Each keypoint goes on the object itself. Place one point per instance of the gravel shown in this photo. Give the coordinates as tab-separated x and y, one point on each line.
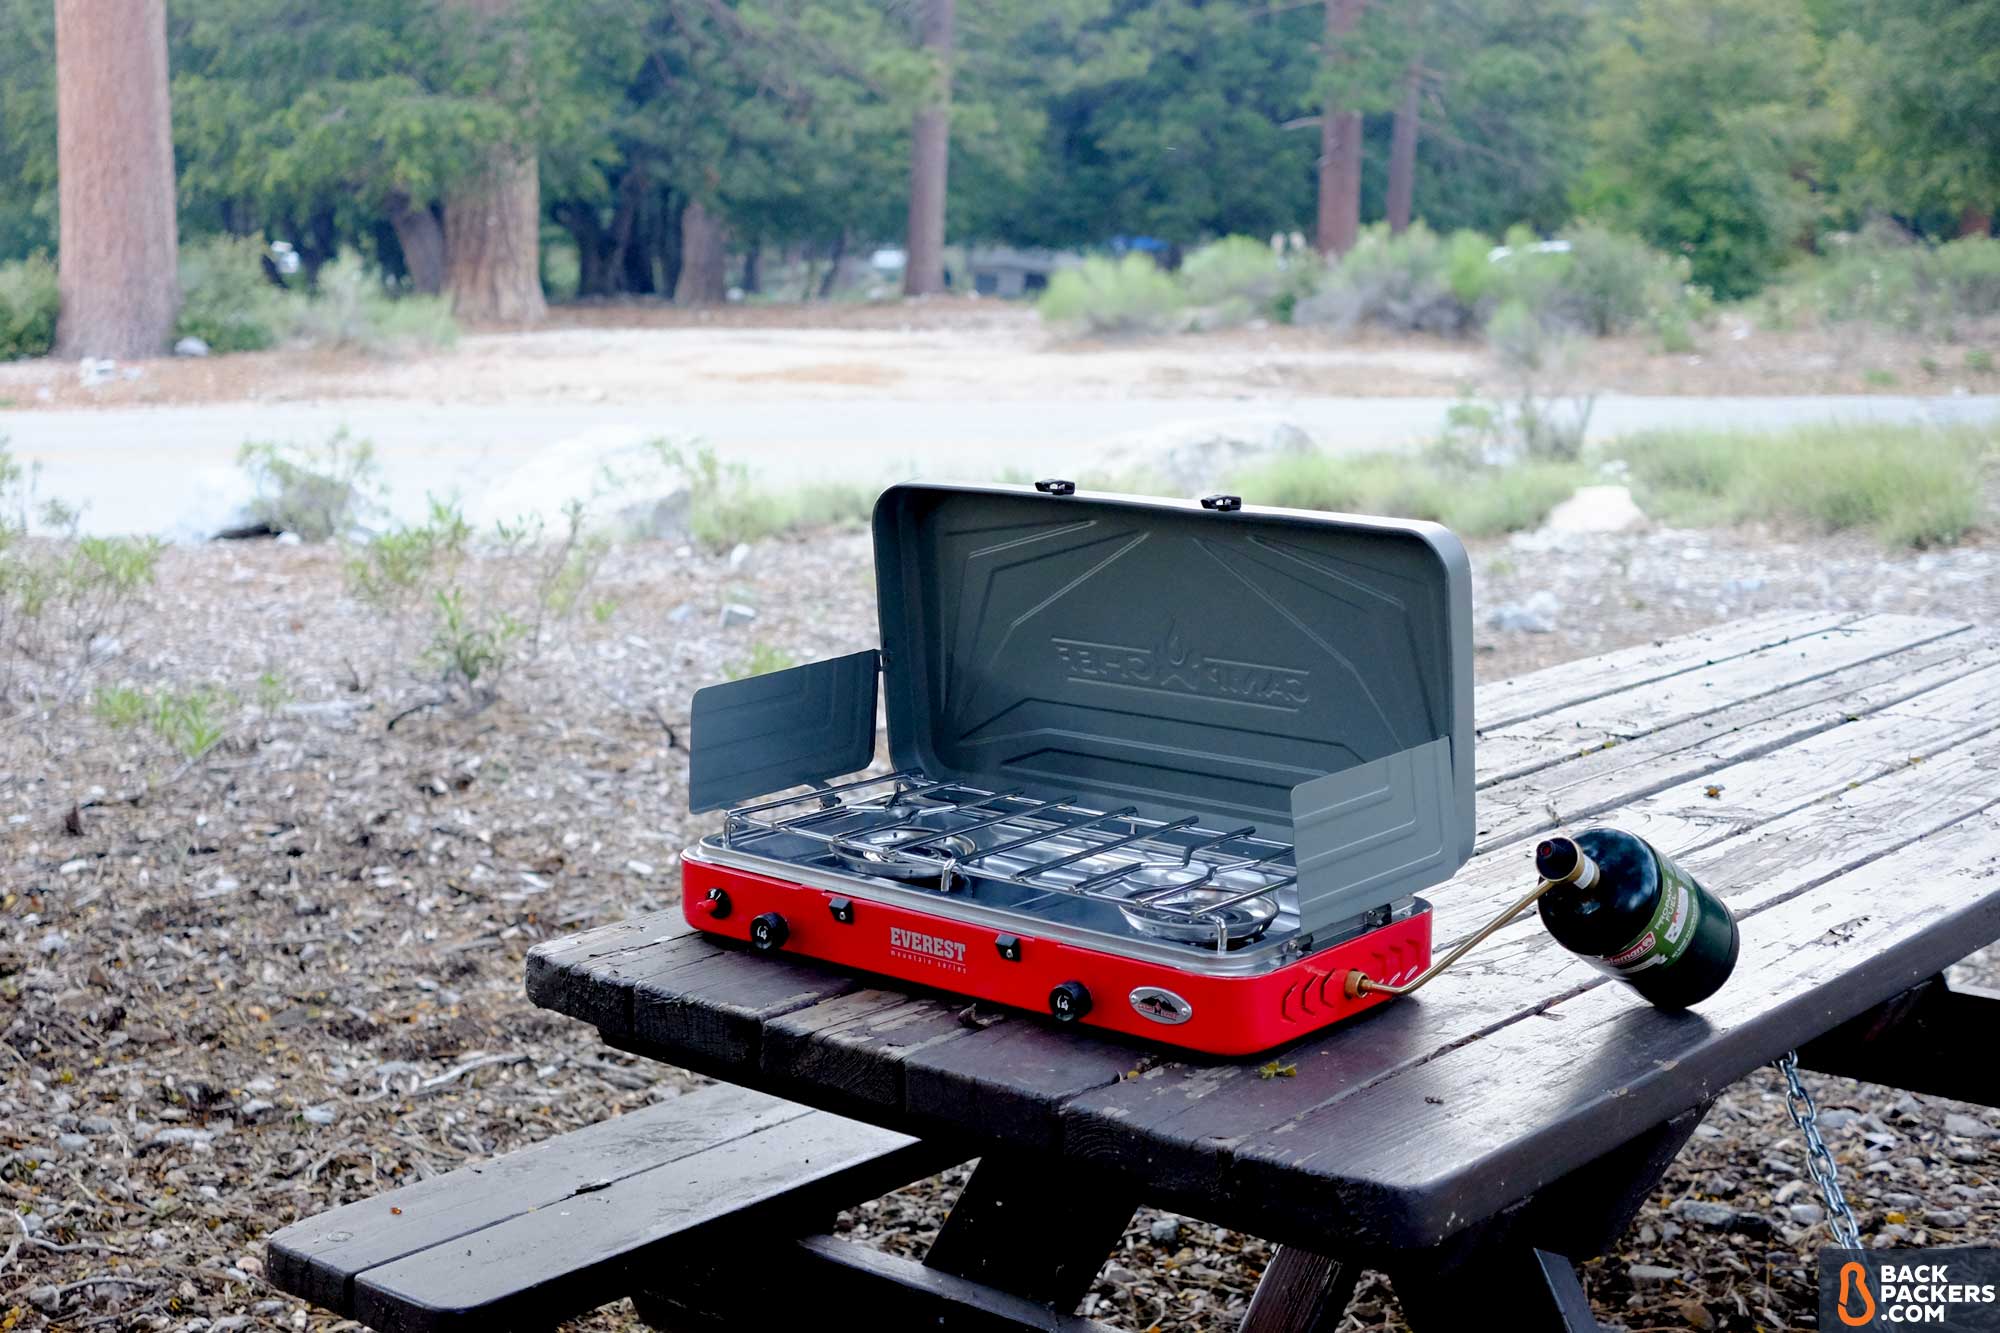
289	974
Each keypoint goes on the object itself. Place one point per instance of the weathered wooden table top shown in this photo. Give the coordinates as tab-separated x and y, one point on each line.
1835	777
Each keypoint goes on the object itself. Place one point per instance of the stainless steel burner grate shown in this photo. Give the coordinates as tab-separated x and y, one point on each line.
1172	879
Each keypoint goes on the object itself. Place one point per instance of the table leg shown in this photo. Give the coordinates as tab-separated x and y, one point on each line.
1033	1229
1922	1040
1300	1292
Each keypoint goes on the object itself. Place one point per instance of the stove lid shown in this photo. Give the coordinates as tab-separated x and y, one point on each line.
1278	667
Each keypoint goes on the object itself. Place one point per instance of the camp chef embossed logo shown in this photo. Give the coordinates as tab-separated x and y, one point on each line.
1955	1290
1174	666
915	944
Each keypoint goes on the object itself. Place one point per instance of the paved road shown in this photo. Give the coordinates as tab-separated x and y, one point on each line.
146	469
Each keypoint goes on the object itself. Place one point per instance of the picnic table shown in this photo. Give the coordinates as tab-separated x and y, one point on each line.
1835	777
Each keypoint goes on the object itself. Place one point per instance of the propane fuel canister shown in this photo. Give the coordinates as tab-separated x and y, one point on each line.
1628	910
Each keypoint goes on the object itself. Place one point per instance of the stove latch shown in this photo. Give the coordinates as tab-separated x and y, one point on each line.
1055	486
1222	504
1009	947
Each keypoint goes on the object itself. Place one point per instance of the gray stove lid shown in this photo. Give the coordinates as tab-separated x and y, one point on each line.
1183	659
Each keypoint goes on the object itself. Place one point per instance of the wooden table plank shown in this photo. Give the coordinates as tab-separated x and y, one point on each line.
1504	702
1620	722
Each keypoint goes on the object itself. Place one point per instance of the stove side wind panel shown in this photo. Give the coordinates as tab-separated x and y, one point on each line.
1185	660
749	738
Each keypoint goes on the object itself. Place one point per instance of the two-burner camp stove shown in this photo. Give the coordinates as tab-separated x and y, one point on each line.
1168	768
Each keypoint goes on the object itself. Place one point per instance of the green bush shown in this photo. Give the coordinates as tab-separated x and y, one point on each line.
726	507
352	307
1915	287
314	491
1234	279
28	307
1116	296
1471	499
1910	486
226	299
1410	283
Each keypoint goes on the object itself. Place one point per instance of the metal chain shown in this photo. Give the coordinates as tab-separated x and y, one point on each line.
1819	1162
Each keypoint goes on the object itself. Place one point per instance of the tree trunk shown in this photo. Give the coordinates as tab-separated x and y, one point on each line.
753	277
115	159
1339	222
493	230
1403	153
593	247
831	278
704	252
930	159
1974	221
420	236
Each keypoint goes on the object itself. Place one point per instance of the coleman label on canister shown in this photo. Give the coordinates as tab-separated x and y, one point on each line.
1669	932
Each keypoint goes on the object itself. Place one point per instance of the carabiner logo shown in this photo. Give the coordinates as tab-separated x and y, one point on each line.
1858	1275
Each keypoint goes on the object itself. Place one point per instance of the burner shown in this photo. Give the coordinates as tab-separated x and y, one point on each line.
1191	915
890	851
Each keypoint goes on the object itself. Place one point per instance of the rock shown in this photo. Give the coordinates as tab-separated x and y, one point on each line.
255	1108
1199	457
190	346
1706	1214
1695	1313
1594	509
1119	1275
1652	1273
1790	1190
215	501
1950	1219
1807	1214
1960	1125
631	486
1166	1230
93	371
72	1142
182	1136
1537	615
317	1115
1838	1117
230	1323
739	555
97	1124
736	613
680	613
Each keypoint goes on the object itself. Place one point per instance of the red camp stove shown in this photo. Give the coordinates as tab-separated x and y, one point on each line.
1169	768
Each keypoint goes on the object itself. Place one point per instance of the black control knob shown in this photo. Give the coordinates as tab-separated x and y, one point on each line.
1069	1001
769	932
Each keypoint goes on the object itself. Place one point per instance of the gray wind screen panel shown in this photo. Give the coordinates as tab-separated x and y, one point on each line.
1372	834
1157	654
752	737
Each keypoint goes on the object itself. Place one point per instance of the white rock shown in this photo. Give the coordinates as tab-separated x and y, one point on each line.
736	613
317	1115
739	555
1199	457
93	371
190	346
629	487
1596	509
1961	1125
214	500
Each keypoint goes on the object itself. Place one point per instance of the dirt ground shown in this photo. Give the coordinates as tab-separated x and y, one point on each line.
239	991
955	347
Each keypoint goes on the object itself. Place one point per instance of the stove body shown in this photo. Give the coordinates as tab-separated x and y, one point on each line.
1160	767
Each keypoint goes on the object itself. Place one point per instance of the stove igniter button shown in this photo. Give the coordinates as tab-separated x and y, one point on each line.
1069	1001
768	932
714	903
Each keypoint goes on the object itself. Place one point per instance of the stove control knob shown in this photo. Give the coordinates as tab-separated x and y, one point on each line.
1069	1001
768	932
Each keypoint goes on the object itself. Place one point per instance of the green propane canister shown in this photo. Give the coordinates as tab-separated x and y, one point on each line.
1631	912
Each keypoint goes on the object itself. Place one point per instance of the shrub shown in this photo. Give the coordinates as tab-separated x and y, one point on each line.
1115	296
314	491
1915	287
1234	279
226	299
1410	283
352	307
1472	499
1910	486
725	507
28	308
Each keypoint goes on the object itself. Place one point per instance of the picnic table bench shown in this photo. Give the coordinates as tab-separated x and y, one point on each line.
1835	777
